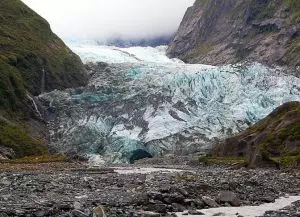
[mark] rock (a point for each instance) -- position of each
(77, 205)
(78, 213)
(20, 212)
(210, 202)
(65, 215)
(173, 198)
(6, 153)
(183, 192)
(219, 214)
(156, 195)
(215, 32)
(2, 214)
(64, 206)
(2, 157)
(159, 207)
(141, 199)
(5, 182)
(195, 212)
(204, 186)
(229, 197)
(267, 199)
(165, 189)
(99, 212)
(40, 213)
(171, 215)
(177, 207)
(195, 202)
(149, 214)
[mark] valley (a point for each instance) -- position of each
(124, 117)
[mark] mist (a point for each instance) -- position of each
(104, 19)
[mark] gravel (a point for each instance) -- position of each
(82, 191)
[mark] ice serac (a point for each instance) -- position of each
(219, 32)
(144, 104)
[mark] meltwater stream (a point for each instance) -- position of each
(141, 103)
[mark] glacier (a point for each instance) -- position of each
(141, 103)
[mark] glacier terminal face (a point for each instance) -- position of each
(141, 103)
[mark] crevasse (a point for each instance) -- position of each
(143, 101)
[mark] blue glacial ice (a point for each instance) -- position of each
(142, 100)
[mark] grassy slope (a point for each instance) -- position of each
(16, 136)
(32, 59)
(28, 45)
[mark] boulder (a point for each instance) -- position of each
(78, 213)
(210, 202)
(149, 214)
(99, 212)
(229, 197)
(6, 153)
(195, 212)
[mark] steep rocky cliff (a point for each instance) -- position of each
(32, 60)
(228, 31)
(276, 136)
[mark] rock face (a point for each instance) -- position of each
(275, 136)
(32, 60)
(228, 31)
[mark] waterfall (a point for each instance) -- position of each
(43, 81)
(34, 105)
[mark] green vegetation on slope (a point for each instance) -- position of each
(294, 6)
(32, 60)
(38, 159)
(12, 90)
(275, 138)
(28, 45)
(16, 137)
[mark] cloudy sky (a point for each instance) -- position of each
(99, 19)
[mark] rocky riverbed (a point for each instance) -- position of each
(141, 191)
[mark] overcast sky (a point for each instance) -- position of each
(98, 19)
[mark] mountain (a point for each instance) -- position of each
(142, 42)
(277, 135)
(32, 60)
(221, 32)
